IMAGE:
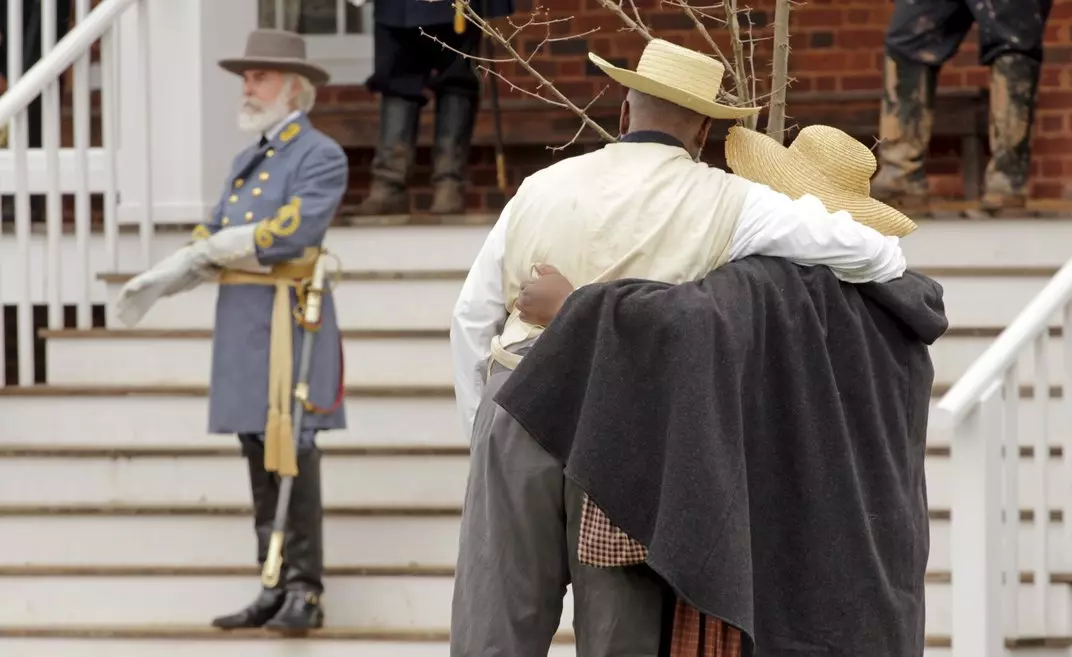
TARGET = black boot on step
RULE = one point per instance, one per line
(265, 488)
(303, 550)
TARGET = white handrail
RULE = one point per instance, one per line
(1007, 348)
(51, 66)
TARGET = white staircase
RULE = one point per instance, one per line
(126, 527)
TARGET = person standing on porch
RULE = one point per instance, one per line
(924, 35)
(261, 242)
(646, 208)
(408, 60)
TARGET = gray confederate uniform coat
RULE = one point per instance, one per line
(302, 163)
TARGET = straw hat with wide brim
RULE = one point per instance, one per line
(681, 76)
(822, 161)
(277, 50)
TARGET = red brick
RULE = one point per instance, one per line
(806, 17)
(852, 39)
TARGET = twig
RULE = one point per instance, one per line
(525, 63)
(738, 56)
(630, 23)
(780, 70)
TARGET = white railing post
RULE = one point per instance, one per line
(81, 108)
(975, 532)
(50, 129)
(1042, 456)
(145, 69)
(18, 142)
(1066, 429)
(1010, 504)
(110, 143)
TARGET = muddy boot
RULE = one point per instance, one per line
(265, 489)
(1014, 83)
(399, 121)
(905, 133)
(455, 118)
(303, 550)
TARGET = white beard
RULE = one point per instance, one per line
(258, 119)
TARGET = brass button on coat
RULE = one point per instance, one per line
(256, 191)
(263, 176)
(234, 198)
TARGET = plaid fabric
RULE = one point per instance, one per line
(603, 545)
(696, 635)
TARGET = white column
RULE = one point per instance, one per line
(194, 134)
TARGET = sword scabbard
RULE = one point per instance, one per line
(274, 563)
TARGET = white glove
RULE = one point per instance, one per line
(187, 269)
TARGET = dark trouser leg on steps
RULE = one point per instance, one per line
(455, 118)
(1010, 42)
(921, 37)
(399, 76)
(518, 552)
(265, 488)
(303, 549)
(393, 161)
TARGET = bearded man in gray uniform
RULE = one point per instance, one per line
(261, 243)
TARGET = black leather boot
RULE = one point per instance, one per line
(399, 122)
(303, 550)
(265, 488)
(454, 122)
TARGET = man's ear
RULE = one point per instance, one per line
(623, 119)
(701, 136)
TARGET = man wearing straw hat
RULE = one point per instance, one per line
(645, 208)
(261, 241)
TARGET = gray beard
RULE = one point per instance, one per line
(260, 121)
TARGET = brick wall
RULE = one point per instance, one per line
(836, 46)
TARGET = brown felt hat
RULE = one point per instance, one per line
(277, 50)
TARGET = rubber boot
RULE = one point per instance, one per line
(1014, 81)
(455, 119)
(905, 133)
(303, 550)
(391, 166)
(265, 488)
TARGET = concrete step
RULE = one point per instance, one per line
(179, 641)
(180, 418)
(216, 536)
(382, 357)
(364, 300)
(406, 599)
(409, 299)
(148, 357)
(398, 480)
(222, 536)
(385, 478)
(410, 601)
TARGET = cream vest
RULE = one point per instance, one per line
(628, 210)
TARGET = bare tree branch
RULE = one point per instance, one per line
(779, 70)
(616, 8)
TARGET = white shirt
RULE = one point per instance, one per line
(770, 224)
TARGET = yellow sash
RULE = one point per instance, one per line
(279, 453)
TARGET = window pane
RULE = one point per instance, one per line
(318, 17)
(359, 19)
(266, 14)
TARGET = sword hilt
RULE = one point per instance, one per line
(315, 294)
(273, 564)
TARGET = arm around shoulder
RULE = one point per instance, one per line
(804, 232)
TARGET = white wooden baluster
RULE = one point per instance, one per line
(50, 128)
(1042, 507)
(109, 132)
(1066, 430)
(1010, 441)
(81, 194)
(18, 142)
(145, 79)
(975, 532)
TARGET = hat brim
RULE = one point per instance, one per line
(761, 159)
(633, 80)
(315, 74)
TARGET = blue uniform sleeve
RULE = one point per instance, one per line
(302, 221)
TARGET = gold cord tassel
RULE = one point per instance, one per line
(271, 441)
(459, 17)
(279, 455)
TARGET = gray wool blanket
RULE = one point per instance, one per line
(762, 432)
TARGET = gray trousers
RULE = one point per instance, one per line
(518, 552)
